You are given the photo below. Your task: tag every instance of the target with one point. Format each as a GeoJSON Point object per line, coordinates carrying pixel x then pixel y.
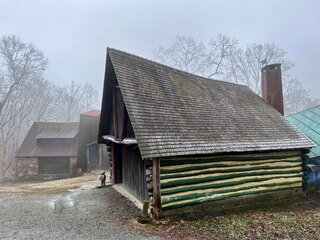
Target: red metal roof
{"type": "Point", "coordinates": [91, 113]}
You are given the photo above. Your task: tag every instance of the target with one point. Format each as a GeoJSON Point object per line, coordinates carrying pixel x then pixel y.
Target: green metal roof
{"type": "Point", "coordinates": [308, 122]}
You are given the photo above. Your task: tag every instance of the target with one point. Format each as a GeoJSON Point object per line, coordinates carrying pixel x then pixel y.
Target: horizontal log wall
{"type": "Point", "coordinates": [187, 181]}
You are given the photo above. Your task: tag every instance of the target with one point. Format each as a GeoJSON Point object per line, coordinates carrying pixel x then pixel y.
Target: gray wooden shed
{"type": "Point", "coordinates": [182, 139]}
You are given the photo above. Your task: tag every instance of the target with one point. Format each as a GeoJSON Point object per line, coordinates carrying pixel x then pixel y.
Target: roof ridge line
{"type": "Point", "coordinates": [175, 69]}
{"type": "Point", "coordinates": [316, 106]}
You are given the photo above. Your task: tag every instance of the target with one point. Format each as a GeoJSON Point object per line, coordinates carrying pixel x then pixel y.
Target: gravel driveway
{"type": "Point", "coordinates": [84, 213]}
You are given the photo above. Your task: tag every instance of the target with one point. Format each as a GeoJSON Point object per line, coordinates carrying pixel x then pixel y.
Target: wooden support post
{"type": "Point", "coordinates": [112, 160]}
{"type": "Point", "coordinates": [157, 210]}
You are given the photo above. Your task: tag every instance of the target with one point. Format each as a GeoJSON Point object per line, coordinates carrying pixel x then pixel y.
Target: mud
{"type": "Point", "coordinates": [84, 213]}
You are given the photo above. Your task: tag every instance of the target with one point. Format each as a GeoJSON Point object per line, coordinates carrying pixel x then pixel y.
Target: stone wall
{"type": "Point", "coordinates": [26, 167]}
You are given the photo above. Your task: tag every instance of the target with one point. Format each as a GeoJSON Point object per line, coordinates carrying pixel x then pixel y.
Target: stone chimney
{"type": "Point", "coordinates": [271, 84]}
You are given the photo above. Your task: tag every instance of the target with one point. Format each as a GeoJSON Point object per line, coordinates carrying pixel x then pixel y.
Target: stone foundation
{"type": "Point", "coordinates": [27, 167]}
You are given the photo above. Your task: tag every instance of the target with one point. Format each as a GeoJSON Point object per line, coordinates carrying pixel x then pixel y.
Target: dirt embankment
{"type": "Point", "coordinates": [49, 187]}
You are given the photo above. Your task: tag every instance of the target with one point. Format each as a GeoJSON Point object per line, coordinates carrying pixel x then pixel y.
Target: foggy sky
{"type": "Point", "coordinates": [74, 34]}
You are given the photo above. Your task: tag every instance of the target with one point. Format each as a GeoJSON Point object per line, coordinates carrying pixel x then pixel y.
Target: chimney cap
{"type": "Point", "coordinates": [271, 67]}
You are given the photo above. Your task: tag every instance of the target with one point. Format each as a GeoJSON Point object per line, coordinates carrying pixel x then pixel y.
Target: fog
{"type": "Point", "coordinates": [74, 34]}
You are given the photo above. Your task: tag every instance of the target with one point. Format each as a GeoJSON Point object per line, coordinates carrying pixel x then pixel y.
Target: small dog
{"type": "Point", "coordinates": [102, 178]}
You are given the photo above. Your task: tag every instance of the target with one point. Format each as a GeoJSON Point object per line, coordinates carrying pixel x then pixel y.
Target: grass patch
{"type": "Point", "coordinates": [287, 221]}
{"type": "Point", "coordinates": [232, 226]}
{"type": "Point", "coordinates": [291, 222]}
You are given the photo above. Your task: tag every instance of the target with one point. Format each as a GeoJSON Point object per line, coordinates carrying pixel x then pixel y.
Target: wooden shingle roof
{"type": "Point", "coordinates": [176, 113]}
{"type": "Point", "coordinates": [50, 130]}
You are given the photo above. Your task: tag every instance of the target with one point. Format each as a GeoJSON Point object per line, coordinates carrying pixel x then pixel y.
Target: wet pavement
{"type": "Point", "coordinates": [84, 213]}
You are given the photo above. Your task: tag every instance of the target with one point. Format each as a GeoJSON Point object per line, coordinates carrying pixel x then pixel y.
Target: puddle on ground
{"type": "Point", "coordinates": [58, 203]}
{"type": "Point", "coordinates": [67, 200]}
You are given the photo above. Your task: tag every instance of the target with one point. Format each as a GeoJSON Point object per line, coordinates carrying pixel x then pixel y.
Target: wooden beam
{"type": "Point", "coordinates": [157, 209]}
{"type": "Point", "coordinates": [112, 160]}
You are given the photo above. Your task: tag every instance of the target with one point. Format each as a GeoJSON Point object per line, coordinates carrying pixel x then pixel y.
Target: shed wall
{"type": "Point", "coordinates": [188, 181]}
{"type": "Point", "coordinates": [88, 132]}
{"type": "Point", "coordinates": [54, 165]}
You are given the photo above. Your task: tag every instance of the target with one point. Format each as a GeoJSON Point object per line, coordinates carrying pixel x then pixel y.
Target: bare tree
{"type": "Point", "coordinates": [244, 66]}
{"type": "Point", "coordinates": [20, 65]}
{"type": "Point", "coordinates": [73, 100]}
{"type": "Point", "coordinates": [89, 97]}
{"type": "Point", "coordinates": [184, 54]}
{"type": "Point", "coordinates": [47, 98]}
{"type": "Point", "coordinates": [188, 55]}
{"type": "Point", "coordinates": [222, 48]}
{"type": "Point", "coordinates": [297, 98]}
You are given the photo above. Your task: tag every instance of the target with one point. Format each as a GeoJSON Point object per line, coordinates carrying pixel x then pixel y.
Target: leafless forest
{"type": "Point", "coordinates": [26, 96]}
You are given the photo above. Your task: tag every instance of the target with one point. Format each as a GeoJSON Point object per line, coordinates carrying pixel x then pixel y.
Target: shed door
{"type": "Point", "coordinates": [93, 155]}
{"type": "Point", "coordinates": [54, 165]}
{"type": "Point", "coordinates": [134, 172]}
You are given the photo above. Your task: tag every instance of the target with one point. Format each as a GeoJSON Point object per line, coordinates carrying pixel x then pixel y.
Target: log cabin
{"type": "Point", "coordinates": [183, 140]}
